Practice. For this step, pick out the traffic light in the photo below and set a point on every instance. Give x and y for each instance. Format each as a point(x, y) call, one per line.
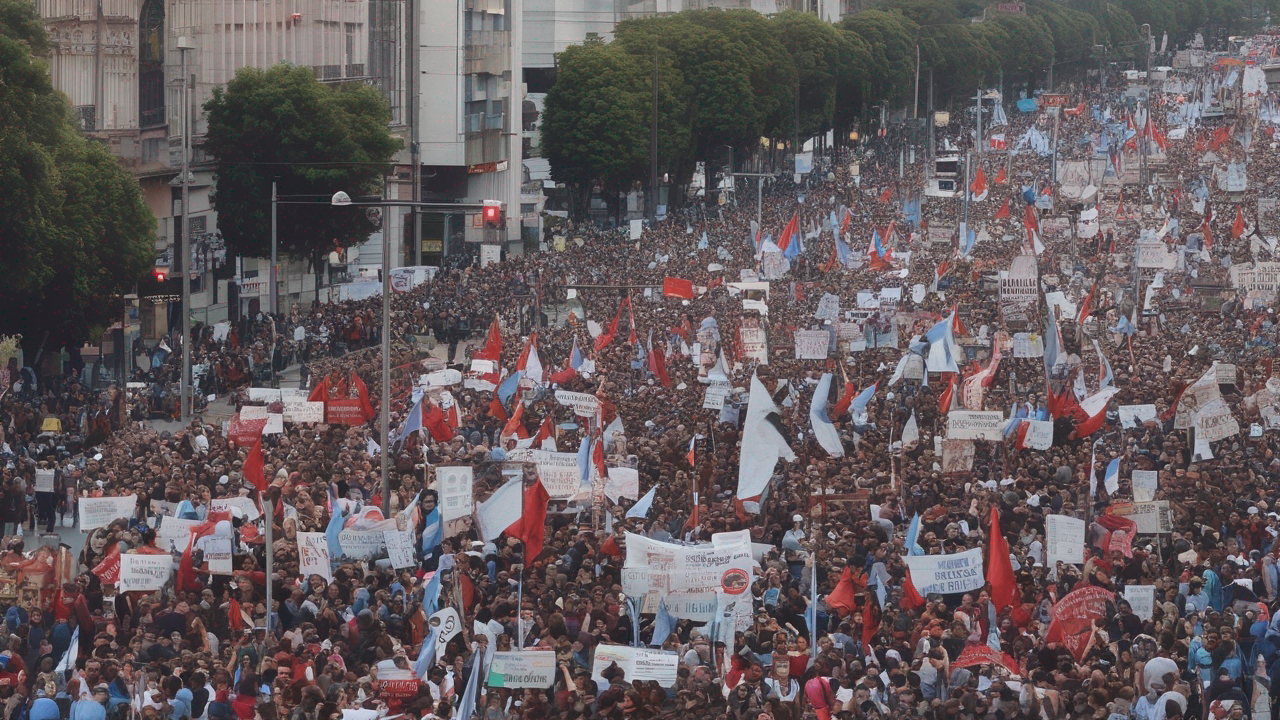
point(493, 213)
point(159, 274)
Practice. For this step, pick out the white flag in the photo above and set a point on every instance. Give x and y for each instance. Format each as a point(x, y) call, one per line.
point(501, 510)
point(910, 432)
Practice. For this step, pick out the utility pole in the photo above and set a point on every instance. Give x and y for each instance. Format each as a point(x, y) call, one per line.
point(915, 111)
point(929, 120)
point(184, 247)
point(653, 144)
point(964, 221)
point(273, 299)
point(795, 135)
point(411, 115)
point(978, 115)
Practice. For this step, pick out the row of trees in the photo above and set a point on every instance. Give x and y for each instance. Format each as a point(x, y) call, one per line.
point(727, 78)
point(75, 230)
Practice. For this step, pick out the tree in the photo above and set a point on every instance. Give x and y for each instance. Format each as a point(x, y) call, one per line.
point(596, 122)
point(313, 139)
point(891, 40)
point(75, 230)
point(814, 46)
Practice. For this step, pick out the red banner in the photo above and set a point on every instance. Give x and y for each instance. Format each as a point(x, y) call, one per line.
point(344, 411)
point(108, 571)
point(395, 692)
point(1073, 618)
point(979, 654)
point(244, 433)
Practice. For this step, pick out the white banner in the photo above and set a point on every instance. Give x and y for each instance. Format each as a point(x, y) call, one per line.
point(247, 505)
point(454, 485)
point(174, 534)
point(1215, 422)
point(1064, 540)
point(755, 346)
point(1142, 598)
point(946, 574)
point(623, 482)
point(975, 425)
point(302, 411)
point(523, 669)
point(1028, 345)
point(313, 555)
point(275, 424)
point(812, 344)
point(666, 567)
point(717, 392)
point(1152, 518)
point(1131, 416)
point(1145, 483)
point(144, 573)
point(640, 664)
point(583, 404)
point(361, 544)
point(253, 412)
point(400, 548)
point(46, 481)
point(100, 512)
point(558, 471)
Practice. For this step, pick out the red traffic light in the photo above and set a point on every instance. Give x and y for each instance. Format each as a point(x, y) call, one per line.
point(492, 213)
point(158, 274)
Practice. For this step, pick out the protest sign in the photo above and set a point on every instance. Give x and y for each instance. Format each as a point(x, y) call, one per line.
point(400, 548)
point(144, 573)
point(1144, 485)
point(301, 411)
point(623, 482)
point(246, 505)
point(1028, 345)
point(702, 568)
point(1064, 540)
point(1132, 416)
point(361, 544)
point(1152, 518)
point(641, 664)
point(583, 404)
point(99, 512)
point(45, 481)
point(1142, 598)
point(174, 534)
point(217, 553)
point(1214, 421)
point(1225, 373)
point(522, 669)
point(1073, 618)
point(715, 397)
point(313, 555)
point(447, 624)
point(454, 484)
point(755, 347)
point(263, 395)
point(1039, 434)
point(1263, 276)
point(946, 574)
point(275, 424)
point(812, 344)
point(975, 425)
point(957, 456)
point(1153, 255)
point(982, 654)
point(828, 307)
point(253, 412)
point(559, 473)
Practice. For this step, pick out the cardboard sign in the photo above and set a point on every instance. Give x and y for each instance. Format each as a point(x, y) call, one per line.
point(975, 425)
point(640, 664)
point(1144, 485)
point(1131, 416)
point(244, 504)
point(400, 548)
point(946, 574)
point(174, 534)
point(812, 344)
point(46, 481)
point(583, 404)
point(1064, 540)
point(101, 512)
point(144, 573)
point(313, 555)
point(217, 553)
point(454, 484)
point(296, 411)
point(1142, 598)
point(1039, 434)
point(1152, 518)
point(623, 482)
point(522, 669)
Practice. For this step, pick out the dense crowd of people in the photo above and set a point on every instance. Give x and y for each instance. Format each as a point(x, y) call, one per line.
point(1158, 607)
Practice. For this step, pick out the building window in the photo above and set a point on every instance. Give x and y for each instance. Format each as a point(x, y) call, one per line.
point(151, 110)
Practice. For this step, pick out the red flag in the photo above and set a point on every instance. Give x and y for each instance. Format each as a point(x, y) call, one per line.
point(467, 589)
point(1220, 136)
point(1087, 305)
point(496, 409)
point(1237, 229)
point(1074, 615)
point(186, 576)
point(597, 457)
point(789, 232)
point(561, 377)
point(1004, 210)
point(1004, 589)
point(108, 571)
point(841, 599)
point(678, 288)
point(1090, 425)
point(532, 526)
point(253, 467)
point(545, 430)
point(515, 426)
point(435, 423)
point(846, 399)
point(493, 344)
point(910, 596)
point(604, 338)
point(1001, 179)
point(978, 188)
point(235, 620)
point(631, 315)
point(870, 621)
point(658, 366)
point(887, 195)
point(320, 391)
point(362, 392)
point(947, 397)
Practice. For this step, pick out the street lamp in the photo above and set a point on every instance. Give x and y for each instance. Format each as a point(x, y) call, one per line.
point(184, 245)
point(341, 199)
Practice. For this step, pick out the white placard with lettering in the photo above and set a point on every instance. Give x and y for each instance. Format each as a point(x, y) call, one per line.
point(144, 573)
point(1064, 540)
point(313, 555)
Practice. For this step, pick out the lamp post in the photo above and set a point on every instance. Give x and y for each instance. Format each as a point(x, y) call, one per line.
point(341, 199)
point(184, 246)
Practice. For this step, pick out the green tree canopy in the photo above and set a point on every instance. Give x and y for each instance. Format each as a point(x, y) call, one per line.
point(311, 138)
point(75, 230)
point(814, 46)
